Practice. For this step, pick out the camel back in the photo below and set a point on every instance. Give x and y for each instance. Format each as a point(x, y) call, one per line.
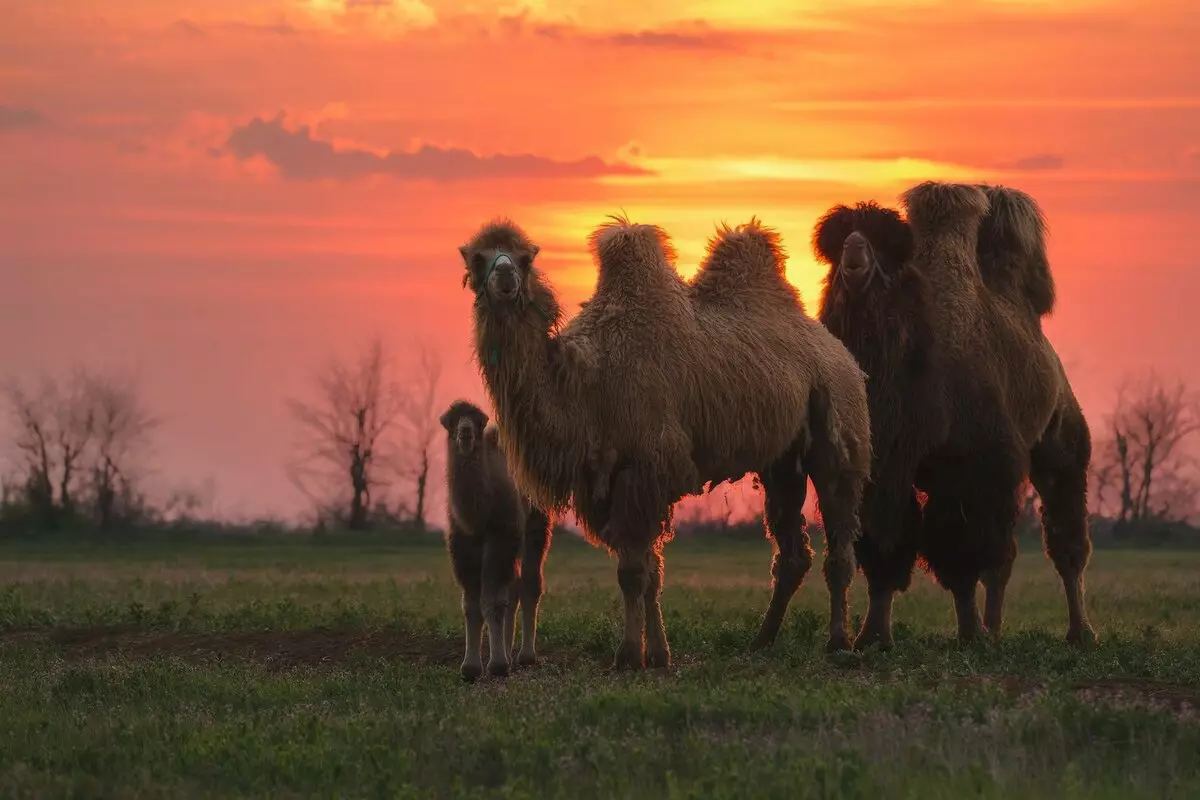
point(744, 264)
point(1012, 249)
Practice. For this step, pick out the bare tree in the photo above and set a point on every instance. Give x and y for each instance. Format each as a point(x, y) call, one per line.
point(75, 436)
point(347, 432)
point(121, 428)
point(32, 416)
point(420, 422)
point(1146, 459)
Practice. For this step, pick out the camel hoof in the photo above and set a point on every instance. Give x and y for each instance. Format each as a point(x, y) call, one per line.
point(470, 672)
point(629, 658)
point(527, 659)
point(873, 639)
point(837, 644)
point(498, 669)
point(1083, 637)
point(762, 642)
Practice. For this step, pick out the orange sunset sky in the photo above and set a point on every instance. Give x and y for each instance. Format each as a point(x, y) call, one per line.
point(220, 194)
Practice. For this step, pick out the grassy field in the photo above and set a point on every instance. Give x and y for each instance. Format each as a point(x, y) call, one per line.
point(316, 669)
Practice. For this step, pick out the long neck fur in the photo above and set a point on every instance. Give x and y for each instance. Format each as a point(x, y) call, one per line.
point(889, 333)
point(535, 393)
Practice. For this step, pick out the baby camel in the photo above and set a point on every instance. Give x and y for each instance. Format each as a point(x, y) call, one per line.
point(497, 543)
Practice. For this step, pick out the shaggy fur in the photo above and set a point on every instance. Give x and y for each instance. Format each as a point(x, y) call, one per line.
point(967, 396)
point(497, 543)
point(659, 387)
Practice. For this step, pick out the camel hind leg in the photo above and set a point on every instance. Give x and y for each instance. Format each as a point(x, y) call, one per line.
point(499, 577)
point(1058, 469)
point(658, 651)
point(785, 484)
point(839, 496)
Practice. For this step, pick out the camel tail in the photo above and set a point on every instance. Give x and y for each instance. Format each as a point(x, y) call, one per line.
point(1012, 248)
point(621, 246)
point(935, 207)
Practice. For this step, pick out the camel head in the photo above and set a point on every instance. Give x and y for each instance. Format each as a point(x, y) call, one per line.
point(865, 246)
point(464, 423)
point(499, 265)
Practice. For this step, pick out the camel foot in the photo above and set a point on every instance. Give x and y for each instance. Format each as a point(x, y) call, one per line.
point(1082, 637)
point(837, 643)
point(470, 671)
point(629, 658)
point(658, 659)
point(869, 637)
point(526, 659)
point(498, 669)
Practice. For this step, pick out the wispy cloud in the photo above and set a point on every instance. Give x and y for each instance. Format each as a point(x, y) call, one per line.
point(300, 156)
point(13, 118)
point(1039, 162)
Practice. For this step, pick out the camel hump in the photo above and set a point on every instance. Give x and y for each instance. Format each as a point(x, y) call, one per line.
point(621, 247)
point(936, 207)
point(742, 258)
point(1012, 248)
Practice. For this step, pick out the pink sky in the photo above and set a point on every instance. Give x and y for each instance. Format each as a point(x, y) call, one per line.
point(221, 194)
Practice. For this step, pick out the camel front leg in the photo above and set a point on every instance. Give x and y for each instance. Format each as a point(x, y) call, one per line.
point(499, 577)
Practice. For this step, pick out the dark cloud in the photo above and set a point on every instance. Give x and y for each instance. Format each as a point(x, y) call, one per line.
point(1042, 162)
point(693, 37)
point(301, 157)
point(13, 118)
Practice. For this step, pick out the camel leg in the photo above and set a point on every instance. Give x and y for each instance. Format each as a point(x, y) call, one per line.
point(839, 498)
point(537, 541)
point(1059, 472)
point(968, 527)
point(499, 574)
point(466, 561)
point(510, 616)
point(632, 576)
point(889, 569)
point(995, 583)
point(950, 551)
point(658, 651)
point(785, 485)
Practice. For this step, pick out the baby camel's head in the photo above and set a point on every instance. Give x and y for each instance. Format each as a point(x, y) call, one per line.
point(464, 423)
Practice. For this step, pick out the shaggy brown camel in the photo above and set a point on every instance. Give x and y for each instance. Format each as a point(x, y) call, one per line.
point(497, 543)
point(660, 386)
point(967, 396)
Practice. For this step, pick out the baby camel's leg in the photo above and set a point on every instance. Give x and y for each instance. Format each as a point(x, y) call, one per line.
point(499, 576)
point(537, 542)
point(466, 560)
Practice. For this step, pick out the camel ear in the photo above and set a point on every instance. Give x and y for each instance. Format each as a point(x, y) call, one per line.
point(445, 420)
point(465, 252)
point(830, 234)
point(483, 418)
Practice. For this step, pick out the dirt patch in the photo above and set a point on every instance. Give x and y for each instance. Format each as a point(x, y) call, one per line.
point(275, 649)
point(1141, 693)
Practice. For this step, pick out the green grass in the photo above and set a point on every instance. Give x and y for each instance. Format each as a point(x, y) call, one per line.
point(302, 668)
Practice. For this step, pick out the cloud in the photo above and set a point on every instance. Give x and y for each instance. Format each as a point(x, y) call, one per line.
point(1040, 162)
point(696, 36)
point(299, 156)
point(15, 118)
